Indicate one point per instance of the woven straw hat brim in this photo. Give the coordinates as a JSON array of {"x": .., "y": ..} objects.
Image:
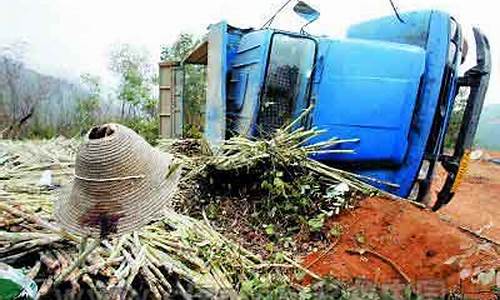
[
  {"x": 120, "y": 185},
  {"x": 70, "y": 212}
]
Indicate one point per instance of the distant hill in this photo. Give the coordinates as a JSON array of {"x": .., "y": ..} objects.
[
  {"x": 488, "y": 132},
  {"x": 55, "y": 98}
]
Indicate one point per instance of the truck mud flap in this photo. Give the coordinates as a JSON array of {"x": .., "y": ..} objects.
[{"x": 477, "y": 78}]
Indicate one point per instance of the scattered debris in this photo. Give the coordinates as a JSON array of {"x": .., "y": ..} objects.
[
  {"x": 45, "y": 179},
  {"x": 362, "y": 251},
  {"x": 16, "y": 285},
  {"x": 479, "y": 235},
  {"x": 495, "y": 161},
  {"x": 476, "y": 154}
]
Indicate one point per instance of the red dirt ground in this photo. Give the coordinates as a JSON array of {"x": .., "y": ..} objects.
[
  {"x": 435, "y": 255},
  {"x": 477, "y": 203}
]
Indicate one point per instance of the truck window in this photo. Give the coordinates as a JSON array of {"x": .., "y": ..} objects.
[{"x": 286, "y": 84}]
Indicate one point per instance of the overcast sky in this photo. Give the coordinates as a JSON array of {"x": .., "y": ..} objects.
[{"x": 70, "y": 37}]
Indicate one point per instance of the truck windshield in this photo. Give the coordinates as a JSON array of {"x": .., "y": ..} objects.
[{"x": 287, "y": 79}]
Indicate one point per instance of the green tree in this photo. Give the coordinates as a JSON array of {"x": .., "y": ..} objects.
[
  {"x": 88, "y": 107},
  {"x": 138, "y": 104},
  {"x": 194, "y": 83},
  {"x": 456, "y": 118},
  {"x": 184, "y": 44},
  {"x": 132, "y": 67}
]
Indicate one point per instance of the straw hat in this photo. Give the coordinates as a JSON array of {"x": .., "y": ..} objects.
[{"x": 121, "y": 183}]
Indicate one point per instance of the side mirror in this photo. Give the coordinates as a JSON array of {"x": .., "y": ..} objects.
[{"x": 306, "y": 12}]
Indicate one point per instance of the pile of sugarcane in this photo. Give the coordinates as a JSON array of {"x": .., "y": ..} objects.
[
  {"x": 288, "y": 147},
  {"x": 183, "y": 147},
  {"x": 176, "y": 255},
  {"x": 290, "y": 150},
  {"x": 171, "y": 256}
]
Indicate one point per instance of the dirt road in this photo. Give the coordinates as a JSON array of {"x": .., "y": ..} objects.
[{"x": 476, "y": 205}]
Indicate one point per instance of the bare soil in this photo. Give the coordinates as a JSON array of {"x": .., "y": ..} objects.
[
  {"x": 476, "y": 205},
  {"x": 394, "y": 243}
]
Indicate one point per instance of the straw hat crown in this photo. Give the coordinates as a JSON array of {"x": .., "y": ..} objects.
[{"x": 120, "y": 183}]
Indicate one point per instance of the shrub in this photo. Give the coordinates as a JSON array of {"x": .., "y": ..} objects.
[{"x": 149, "y": 129}]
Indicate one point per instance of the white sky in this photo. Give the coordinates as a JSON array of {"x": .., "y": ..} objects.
[{"x": 69, "y": 37}]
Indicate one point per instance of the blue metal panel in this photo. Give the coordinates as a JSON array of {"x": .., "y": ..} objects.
[
  {"x": 435, "y": 26},
  {"x": 368, "y": 90},
  {"x": 233, "y": 41},
  {"x": 413, "y": 32},
  {"x": 246, "y": 80},
  {"x": 223, "y": 42},
  {"x": 215, "y": 125},
  {"x": 381, "y": 85}
]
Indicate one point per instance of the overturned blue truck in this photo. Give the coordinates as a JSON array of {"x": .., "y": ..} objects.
[{"x": 391, "y": 83}]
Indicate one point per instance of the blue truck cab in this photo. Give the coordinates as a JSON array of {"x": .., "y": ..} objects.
[{"x": 390, "y": 84}]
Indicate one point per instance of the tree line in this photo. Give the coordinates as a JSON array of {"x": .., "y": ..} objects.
[{"x": 33, "y": 105}]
